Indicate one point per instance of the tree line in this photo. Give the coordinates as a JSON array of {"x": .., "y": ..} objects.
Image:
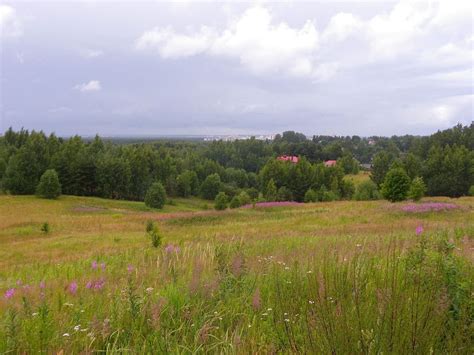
[{"x": 443, "y": 163}]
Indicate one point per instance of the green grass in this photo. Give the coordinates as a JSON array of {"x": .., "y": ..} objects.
[{"x": 339, "y": 277}]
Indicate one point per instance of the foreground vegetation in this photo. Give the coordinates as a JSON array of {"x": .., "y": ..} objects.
[{"x": 335, "y": 277}]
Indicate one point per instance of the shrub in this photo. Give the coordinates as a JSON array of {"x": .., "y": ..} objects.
[
  {"x": 154, "y": 233},
  {"x": 325, "y": 195},
  {"x": 252, "y": 193},
  {"x": 396, "y": 185},
  {"x": 311, "y": 196},
  {"x": 347, "y": 189},
  {"x": 471, "y": 190},
  {"x": 235, "y": 202},
  {"x": 417, "y": 189},
  {"x": 211, "y": 186},
  {"x": 366, "y": 191},
  {"x": 45, "y": 228},
  {"x": 49, "y": 186},
  {"x": 284, "y": 194},
  {"x": 244, "y": 198},
  {"x": 271, "y": 191},
  {"x": 155, "y": 196},
  {"x": 220, "y": 202}
]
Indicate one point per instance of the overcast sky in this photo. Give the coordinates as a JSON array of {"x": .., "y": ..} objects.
[{"x": 161, "y": 68}]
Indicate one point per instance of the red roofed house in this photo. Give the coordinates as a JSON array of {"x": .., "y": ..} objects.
[
  {"x": 329, "y": 163},
  {"x": 290, "y": 158}
]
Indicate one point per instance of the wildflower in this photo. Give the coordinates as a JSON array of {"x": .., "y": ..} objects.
[
  {"x": 42, "y": 285},
  {"x": 68, "y": 304},
  {"x": 149, "y": 289},
  {"x": 287, "y": 320},
  {"x": 34, "y": 314},
  {"x": 89, "y": 285},
  {"x": 419, "y": 230},
  {"x": 256, "y": 300},
  {"x": 311, "y": 302},
  {"x": 94, "y": 265},
  {"x": 102, "y": 266},
  {"x": 9, "y": 293},
  {"x": 309, "y": 272},
  {"x": 77, "y": 327},
  {"x": 130, "y": 268},
  {"x": 99, "y": 284},
  {"x": 65, "y": 334},
  {"x": 19, "y": 282},
  {"x": 73, "y": 287},
  {"x": 269, "y": 309}
]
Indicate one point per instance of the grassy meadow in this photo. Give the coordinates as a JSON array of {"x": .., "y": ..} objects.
[{"x": 336, "y": 277}]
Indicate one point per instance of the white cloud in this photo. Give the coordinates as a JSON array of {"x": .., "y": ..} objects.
[
  {"x": 265, "y": 47},
  {"x": 91, "y": 53},
  {"x": 93, "y": 85},
  {"x": 10, "y": 25},
  {"x": 172, "y": 45},
  {"x": 259, "y": 45}
]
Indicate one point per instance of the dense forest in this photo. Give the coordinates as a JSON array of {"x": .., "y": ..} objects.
[{"x": 444, "y": 162}]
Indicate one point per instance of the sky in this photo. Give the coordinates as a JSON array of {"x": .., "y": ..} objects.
[{"x": 151, "y": 68}]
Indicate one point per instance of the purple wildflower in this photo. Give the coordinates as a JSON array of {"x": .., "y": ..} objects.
[
  {"x": 89, "y": 285},
  {"x": 73, "y": 287},
  {"x": 130, "y": 268},
  {"x": 273, "y": 204},
  {"x": 9, "y": 293},
  {"x": 102, "y": 266},
  {"x": 428, "y": 207},
  {"x": 419, "y": 230},
  {"x": 94, "y": 265},
  {"x": 170, "y": 248},
  {"x": 42, "y": 285},
  {"x": 99, "y": 284}
]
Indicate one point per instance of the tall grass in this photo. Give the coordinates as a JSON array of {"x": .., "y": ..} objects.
[{"x": 213, "y": 297}]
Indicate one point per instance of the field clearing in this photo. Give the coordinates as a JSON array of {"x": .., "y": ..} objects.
[{"x": 214, "y": 268}]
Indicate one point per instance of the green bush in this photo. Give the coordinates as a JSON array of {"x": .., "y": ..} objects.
[
  {"x": 155, "y": 196},
  {"x": 244, "y": 198},
  {"x": 311, "y": 196},
  {"x": 366, "y": 191},
  {"x": 284, "y": 194},
  {"x": 45, "y": 228},
  {"x": 471, "y": 191},
  {"x": 271, "y": 193},
  {"x": 417, "y": 189},
  {"x": 396, "y": 185},
  {"x": 154, "y": 233},
  {"x": 211, "y": 186},
  {"x": 49, "y": 186},
  {"x": 325, "y": 195},
  {"x": 220, "y": 202},
  {"x": 235, "y": 202}
]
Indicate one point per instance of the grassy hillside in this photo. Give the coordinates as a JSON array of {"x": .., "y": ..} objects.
[{"x": 339, "y": 277}]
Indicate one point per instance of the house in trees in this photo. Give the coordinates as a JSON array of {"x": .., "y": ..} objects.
[
  {"x": 329, "y": 163},
  {"x": 291, "y": 158}
]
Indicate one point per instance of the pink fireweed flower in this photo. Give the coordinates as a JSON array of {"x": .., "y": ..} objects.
[
  {"x": 170, "y": 248},
  {"x": 419, "y": 230},
  {"x": 99, "y": 284},
  {"x": 94, "y": 265},
  {"x": 9, "y": 293},
  {"x": 73, "y": 287},
  {"x": 102, "y": 266},
  {"x": 130, "y": 268},
  {"x": 89, "y": 285}
]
